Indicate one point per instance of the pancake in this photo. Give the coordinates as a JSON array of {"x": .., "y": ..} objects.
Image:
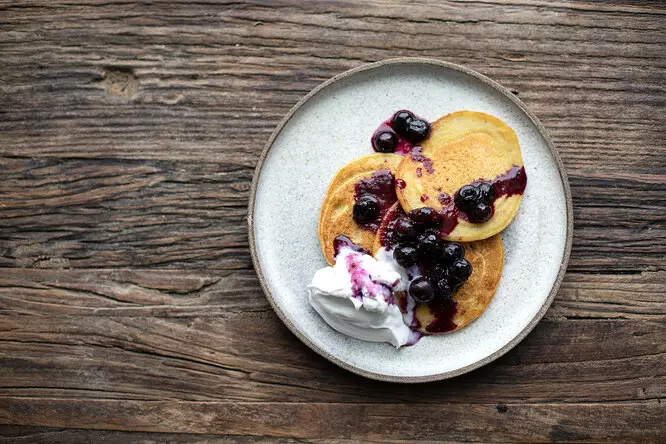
[
  {"x": 362, "y": 166},
  {"x": 487, "y": 259},
  {"x": 463, "y": 147},
  {"x": 335, "y": 217}
]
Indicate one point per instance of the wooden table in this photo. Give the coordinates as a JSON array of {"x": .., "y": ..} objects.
[{"x": 128, "y": 303}]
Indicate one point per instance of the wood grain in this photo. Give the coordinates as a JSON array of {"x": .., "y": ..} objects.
[
  {"x": 128, "y": 136},
  {"x": 522, "y": 422}
]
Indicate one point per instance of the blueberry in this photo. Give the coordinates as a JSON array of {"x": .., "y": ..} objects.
[
  {"x": 460, "y": 271},
  {"x": 438, "y": 273},
  {"x": 425, "y": 216},
  {"x": 417, "y": 131},
  {"x": 467, "y": 198},
  {"x": 405, "y": 229},
  {"x": 401, "y": 120},
  {"x": 366, "y": 209},
  {"x": 385, "y": 141},
  {"x": 430, "y": 235},
  {"x": 486, "y": 192},
  {"x": 428, "y": 244},
  {"x": 444, "y": 288},
  {"x": 451, "y": 252},
  {"x": 480, "y": 213},
  {"x": 421, "y": 290},
  {"x": 405, "y": 256}
]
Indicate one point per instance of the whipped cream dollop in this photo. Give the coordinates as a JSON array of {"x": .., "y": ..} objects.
[{"x": 356, "y": 298}]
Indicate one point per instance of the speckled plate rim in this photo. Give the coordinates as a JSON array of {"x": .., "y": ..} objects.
[{"x": 569, "y": 213}]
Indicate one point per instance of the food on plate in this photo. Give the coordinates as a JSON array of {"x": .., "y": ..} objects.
[
  {"x": 411, "y": 233},
  {"x": 357, "y": 198},
  {"x": 470, "y": 170}
]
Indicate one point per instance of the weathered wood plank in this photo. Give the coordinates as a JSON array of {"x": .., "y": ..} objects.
[
  {"x": 250, "y": 356},
  {"x": 50, "y": 435},
  {"x": 519, "y": 422}
]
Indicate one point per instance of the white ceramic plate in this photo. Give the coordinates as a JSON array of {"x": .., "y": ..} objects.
[{"x": 331, "y": 126}]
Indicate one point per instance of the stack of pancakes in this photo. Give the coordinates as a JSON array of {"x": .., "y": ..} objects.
[{"x": 463, "y": 147}]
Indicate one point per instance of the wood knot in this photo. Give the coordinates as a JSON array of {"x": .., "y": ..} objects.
[
  {"x": 502, "y": 408},
  {"x": 120, "y": 82}
]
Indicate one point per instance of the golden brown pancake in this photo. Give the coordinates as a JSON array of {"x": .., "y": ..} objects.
[
  {"x": 335, "y": 217},
  {"x": 487, "y": 259},
  {"x": 462, "y": 148}
]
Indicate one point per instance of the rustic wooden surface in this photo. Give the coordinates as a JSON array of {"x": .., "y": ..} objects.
[{"x": 128, "y": 303}]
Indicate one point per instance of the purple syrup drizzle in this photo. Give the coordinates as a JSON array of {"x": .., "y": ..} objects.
[
  {"x": 417, "y": 156},
  {"x": 381, "y": 185},
  {"x": 361, "y": 281},
  {"x": 511, "y": 183},
  {"x": 341, "y": 241},
  {"x": 443, "y": 310},
  {"x": 403, "y": 146},
  {"x": 407, "y": 307},
  {"x": 448, "y": 214},
  {"x": 363, "y": 284},
  {"x": 385, "y": 233}
]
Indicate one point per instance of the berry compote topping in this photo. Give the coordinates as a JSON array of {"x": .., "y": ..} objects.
[
  {"x": 366, "y": 209},
  {"x": 400, "y": 133},
  {"x": 417, "y": 156},
  {"x": 444, "y": 310},
  {"x": 362, "y": 283},
  {"x": 476, "y": 200},
  {"x": 385, "y": 141},
  {"x": 388, "y": 235},
  {"x": 341, "y": 241},
  {"x": 439, "y": 268},
  {"x": 421, "y": 290},
  {"x": 373, "y": 196}
]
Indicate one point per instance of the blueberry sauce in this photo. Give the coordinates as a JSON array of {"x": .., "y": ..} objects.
[
  {"x": 381, "y": 188},
  {"x": 402, "y": 145},
  {"x": 417, "y": 156},
  {"x": 442, "y": 307},
  {"x": 341, "y": 241},
  {"x": 443, "y": 310},
  {"x": 387, "y": 236},
  {"x": 511, "y": 183},
  {"x": 362, "y": 283},
  {"x": 438, "y": 267},
  {"x": 448, "y": 214},
  {"x": 407, "y": 307}
]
